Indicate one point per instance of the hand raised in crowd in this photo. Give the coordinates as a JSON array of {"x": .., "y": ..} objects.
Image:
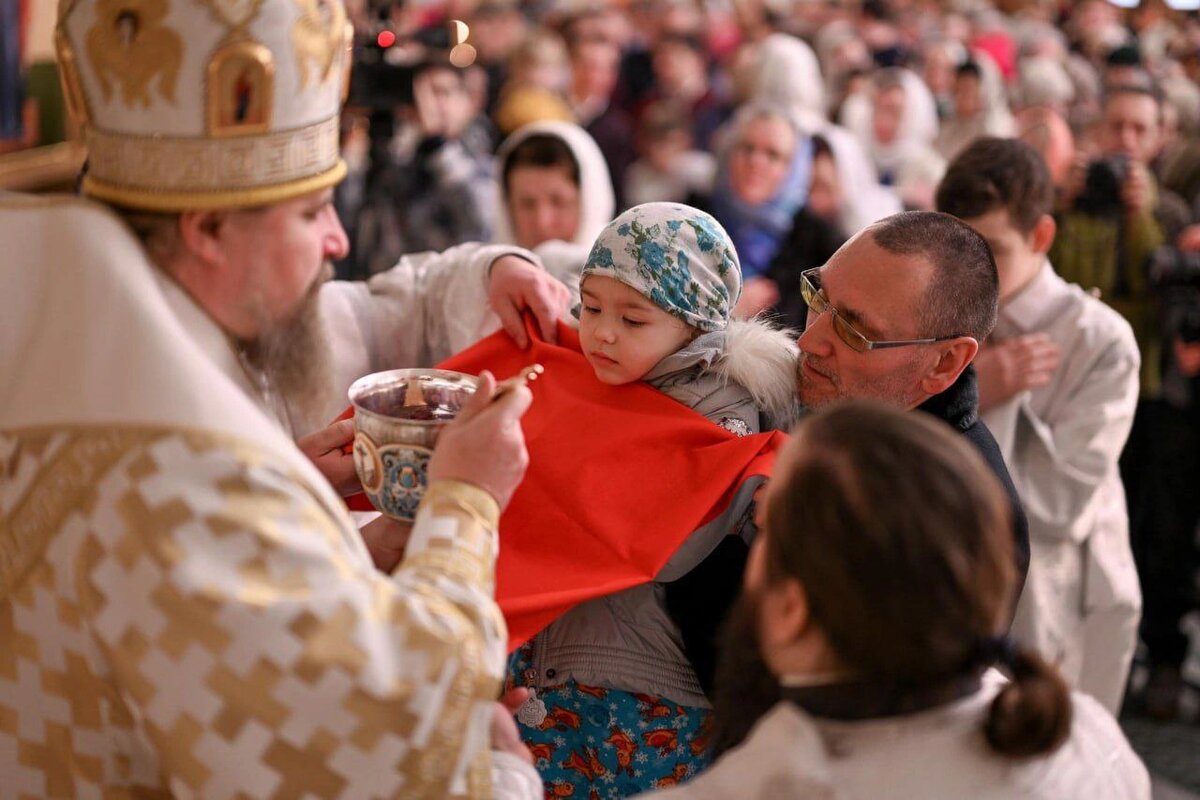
[
  {"x": 517, "y": 285},
  {"x": 485, "y": 446},
  {"x": 1187, "y": 355},
  {"x": 1007, "y": 368},
  {"x": 758, "y": 294},
  {"x": 1137, "y": 191},
  {"x": 324, "y": 448}
]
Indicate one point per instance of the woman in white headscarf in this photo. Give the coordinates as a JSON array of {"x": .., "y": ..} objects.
[
  {"x": 783, "y": 72},
  {"x": 897, "y": 125},
  {"x": 555, "y": 195},
  {"x": 980, "y": 107}
]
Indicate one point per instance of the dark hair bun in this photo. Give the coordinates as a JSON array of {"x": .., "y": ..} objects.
[{"x": 1032, "y": 714}]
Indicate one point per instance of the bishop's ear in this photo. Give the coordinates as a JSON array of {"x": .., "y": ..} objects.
[{"x": 202, "y": 235}]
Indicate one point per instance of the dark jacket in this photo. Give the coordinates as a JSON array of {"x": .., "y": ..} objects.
[
  {"x": 959, "y": 406},
  {"x": 700, "y": 601}
]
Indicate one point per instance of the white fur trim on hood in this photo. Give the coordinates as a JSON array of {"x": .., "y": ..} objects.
[{"x": 761, "y": 358}]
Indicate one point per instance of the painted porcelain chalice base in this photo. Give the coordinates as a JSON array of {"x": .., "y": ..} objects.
[{"x": 398, "y": 416}]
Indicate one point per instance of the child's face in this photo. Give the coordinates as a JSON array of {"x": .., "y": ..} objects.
[{"x": 622, "y": 333}]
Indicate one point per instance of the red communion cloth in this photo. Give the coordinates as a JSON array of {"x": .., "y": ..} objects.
[{"x": 618, "y": 477}]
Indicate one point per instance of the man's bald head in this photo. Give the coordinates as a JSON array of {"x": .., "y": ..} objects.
[{"x": 964, "y": 290}]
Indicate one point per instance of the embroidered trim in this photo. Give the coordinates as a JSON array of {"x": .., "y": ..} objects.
[{"x": 198, "y": 174}]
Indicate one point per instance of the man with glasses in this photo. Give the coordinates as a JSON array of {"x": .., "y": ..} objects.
[{"x": 897, "y": 315}]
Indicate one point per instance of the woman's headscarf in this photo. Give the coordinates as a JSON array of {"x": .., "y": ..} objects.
[
  {"x": 994, "y": 94},
  {"x": 784, "y": 74},
  {"x": 993, "y": 119},
  {"x": 918, "y": 123},
  {"x": 595, "y": 184},
  {"x": 758, "y": 229},
  {"x": 909, "y": 159},
  {"x": 677, "y": 257},
  {"x": 564, "y": 260}
]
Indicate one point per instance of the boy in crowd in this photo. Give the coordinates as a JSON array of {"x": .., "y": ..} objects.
[{"x": 1058, "y": 385}]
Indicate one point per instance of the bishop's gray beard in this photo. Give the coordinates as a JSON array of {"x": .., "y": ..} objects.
[{"x": 293, "y": 360}]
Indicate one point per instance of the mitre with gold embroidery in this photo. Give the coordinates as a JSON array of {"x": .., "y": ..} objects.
[{"x": 201, "y": 104}]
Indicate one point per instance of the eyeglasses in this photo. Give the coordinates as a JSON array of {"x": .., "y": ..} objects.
[{"x": 818, "y": 304}]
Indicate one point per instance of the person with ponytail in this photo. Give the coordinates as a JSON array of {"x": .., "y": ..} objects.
[{"x": 871, "y": 632}]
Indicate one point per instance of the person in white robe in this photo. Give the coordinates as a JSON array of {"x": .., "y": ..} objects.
[
  {"x": 1058, "y": 388},
  {"x": 883, "y": 634},
  {"x": 186, "y": 608}
]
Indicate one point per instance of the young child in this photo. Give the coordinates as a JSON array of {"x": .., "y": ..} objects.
[{"x": 616, "y": 705}]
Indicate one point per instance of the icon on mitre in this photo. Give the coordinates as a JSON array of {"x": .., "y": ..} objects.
[{"x": 240, "y": 86}]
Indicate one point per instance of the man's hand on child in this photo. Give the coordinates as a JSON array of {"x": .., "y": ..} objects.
[{"x": 517, "y": 285}]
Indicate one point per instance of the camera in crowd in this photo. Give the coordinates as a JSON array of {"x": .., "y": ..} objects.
[
  {"x": 384, "y": 65},
  {"x": 1172, "y": 268},
  {"x": 1178, "y": 272},
  {"x": 1102, "y": 189}
]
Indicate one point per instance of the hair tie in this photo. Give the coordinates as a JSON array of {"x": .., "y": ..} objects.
[{"x": 996, "y": 650}]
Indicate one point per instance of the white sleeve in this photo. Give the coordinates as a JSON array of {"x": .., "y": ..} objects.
[
  {"x": 1058, "y": 463},
  {"x": 262, "y": 655},
  {"x": 514, "y": 779},
  {"x": 421, "y": 311}
]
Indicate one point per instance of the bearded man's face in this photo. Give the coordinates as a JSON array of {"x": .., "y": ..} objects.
[
  {"x": 293, "y": 356},
  {"x": 285, "y": 252}
]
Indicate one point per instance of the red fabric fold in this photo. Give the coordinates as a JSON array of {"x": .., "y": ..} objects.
[{"x": 619, "y": 476}]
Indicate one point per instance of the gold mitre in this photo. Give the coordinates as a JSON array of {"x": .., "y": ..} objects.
[{"x": 202, "y": 104}]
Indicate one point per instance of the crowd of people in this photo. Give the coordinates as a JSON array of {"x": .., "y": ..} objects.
[{"x": 952, "y": 248}]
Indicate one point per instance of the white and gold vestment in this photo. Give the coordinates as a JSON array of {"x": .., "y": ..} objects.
[{"x": 185, "y": 607}]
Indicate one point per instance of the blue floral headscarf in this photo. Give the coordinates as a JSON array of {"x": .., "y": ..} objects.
[{"x": 677, "y": 257}]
